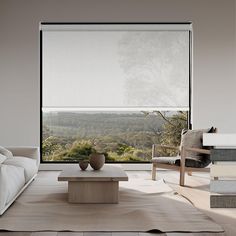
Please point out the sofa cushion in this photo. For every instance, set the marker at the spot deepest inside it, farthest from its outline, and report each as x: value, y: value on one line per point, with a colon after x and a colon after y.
x: 12, y: 179
x: 6, y: 152
x: 2, y: 158
x: 29, y: 165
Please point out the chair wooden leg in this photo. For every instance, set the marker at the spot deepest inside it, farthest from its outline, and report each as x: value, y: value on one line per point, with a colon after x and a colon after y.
x: 182, y: 177
x: 154, y: 171
x: 182, y: 166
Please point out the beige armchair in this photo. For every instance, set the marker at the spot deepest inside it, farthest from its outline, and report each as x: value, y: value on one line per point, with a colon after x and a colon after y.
x: 192, y: 156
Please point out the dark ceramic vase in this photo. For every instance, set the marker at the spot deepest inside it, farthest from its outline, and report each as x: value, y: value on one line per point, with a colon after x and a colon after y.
x: 97, y: 160
x: 83, y: 165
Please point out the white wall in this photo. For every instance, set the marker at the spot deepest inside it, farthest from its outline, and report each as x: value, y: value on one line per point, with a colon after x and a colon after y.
x: 214, y: 55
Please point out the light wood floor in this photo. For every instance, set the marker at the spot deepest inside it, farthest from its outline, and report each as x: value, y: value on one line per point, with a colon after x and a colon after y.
x: 196, y: 190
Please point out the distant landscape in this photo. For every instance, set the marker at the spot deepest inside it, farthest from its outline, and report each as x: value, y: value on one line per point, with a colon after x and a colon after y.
x: 121, y: 136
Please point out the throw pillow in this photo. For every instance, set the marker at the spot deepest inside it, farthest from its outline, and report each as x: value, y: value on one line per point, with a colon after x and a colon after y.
x: 6, y: 152
x: 2, y: 158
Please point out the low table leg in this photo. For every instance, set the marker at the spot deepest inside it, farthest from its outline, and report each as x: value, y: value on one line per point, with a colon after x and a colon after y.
x: 93, y: 192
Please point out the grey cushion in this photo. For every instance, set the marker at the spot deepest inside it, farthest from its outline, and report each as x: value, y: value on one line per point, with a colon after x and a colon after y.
x: 6, y: 152
x: 166, y: 160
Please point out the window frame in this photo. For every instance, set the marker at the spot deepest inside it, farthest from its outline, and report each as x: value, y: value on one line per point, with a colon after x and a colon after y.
x: 189, y: 114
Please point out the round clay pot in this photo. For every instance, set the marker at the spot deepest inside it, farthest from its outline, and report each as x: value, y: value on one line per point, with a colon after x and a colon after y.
x: 83, y: 165
x: 97, y: 160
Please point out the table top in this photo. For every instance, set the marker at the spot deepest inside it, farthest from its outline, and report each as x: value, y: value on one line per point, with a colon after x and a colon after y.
x: 107, y: 173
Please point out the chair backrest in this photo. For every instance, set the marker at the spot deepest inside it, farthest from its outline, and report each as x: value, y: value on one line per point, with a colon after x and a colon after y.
x: 194, y: 139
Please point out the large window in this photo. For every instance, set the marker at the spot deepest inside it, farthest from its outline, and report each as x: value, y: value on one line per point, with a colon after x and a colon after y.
x: 113, y: 88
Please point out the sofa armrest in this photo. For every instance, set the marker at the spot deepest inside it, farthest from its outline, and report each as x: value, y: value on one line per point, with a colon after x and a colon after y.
x: 30, y: 152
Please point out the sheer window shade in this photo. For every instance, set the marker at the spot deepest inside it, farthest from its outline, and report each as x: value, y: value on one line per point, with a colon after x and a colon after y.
x: 115, y: 66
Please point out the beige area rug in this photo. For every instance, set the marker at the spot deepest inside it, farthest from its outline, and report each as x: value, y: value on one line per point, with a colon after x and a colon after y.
x: 144, y: 205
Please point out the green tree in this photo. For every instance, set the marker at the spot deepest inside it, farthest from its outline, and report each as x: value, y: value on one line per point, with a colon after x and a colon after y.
x: 50, y: 145
x: 46, y: 132
x: 80, y: 150
x: 172, y: 129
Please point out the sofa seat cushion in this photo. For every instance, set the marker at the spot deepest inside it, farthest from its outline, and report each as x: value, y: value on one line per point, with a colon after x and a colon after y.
x: 12, y: 180
x: 29, y: 165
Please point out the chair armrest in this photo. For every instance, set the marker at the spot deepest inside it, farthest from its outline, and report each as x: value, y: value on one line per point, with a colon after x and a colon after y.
x: 199, y: 150
x: 30, y: 152
x: 154, y: 146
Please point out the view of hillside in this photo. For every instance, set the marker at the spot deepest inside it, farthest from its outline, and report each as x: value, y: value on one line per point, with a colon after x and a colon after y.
x: 121, y: 136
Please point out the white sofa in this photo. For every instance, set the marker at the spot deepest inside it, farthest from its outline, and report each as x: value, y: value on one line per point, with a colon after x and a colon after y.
x: 16, y: 173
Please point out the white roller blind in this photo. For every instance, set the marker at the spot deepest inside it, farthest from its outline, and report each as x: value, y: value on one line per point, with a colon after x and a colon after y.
x: 114, y: 66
